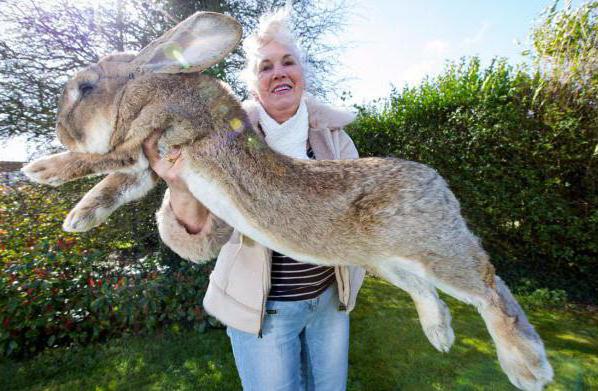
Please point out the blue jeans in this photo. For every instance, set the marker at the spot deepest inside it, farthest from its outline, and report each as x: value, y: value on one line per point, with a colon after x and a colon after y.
x: 304, y: 346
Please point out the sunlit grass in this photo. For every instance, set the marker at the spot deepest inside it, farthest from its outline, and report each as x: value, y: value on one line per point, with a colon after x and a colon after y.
x: 388, y: 352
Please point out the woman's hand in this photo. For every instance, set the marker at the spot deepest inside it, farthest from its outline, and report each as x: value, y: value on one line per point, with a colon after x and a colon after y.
x: 188, y: 211
x: 168, y: 168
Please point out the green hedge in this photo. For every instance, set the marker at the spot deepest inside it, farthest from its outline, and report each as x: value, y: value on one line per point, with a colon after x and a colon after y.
x: 59, y: 289
x: 519, y: 157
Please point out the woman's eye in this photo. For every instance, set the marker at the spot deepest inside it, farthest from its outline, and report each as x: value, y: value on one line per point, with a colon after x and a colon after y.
x: 265, y: 68
x: 85, y: 88
x: 289, y: 63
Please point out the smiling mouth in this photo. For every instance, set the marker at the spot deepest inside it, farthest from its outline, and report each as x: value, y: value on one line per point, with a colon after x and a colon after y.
x: 282, y: 89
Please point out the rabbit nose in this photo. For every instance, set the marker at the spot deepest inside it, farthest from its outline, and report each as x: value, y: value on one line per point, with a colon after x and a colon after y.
x: 63, y: 135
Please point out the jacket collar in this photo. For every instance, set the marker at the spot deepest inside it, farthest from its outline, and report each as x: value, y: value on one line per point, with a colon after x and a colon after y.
x: 321, y: 115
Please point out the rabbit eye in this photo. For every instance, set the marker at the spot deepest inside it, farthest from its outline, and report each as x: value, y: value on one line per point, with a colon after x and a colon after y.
x: 85, y: 88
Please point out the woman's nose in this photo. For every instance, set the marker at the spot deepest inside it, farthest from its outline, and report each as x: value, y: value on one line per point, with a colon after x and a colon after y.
x: 279, y: 72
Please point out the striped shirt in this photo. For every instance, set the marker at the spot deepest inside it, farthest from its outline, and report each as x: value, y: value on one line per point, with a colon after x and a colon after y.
x: 293, y: 280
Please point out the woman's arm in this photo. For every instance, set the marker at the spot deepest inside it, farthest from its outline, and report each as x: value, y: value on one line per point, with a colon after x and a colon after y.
x: 200, y: 246
x: 184, y: 223
x: 189, y: 212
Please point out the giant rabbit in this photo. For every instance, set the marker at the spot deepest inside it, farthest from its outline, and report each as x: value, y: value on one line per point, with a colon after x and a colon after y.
x: 396, y: 218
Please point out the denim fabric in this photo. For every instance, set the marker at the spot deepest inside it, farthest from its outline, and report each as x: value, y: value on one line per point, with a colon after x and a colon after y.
x: 304, y: 346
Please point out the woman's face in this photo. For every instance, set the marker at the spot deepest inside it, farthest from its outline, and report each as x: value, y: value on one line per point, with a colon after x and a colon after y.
x: 280, y: 81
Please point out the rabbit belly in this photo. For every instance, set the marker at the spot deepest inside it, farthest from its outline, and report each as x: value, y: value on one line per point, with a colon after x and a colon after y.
x: 215, y: 198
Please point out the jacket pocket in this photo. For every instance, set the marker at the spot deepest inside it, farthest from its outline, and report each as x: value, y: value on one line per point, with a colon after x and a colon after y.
x: 242, y: 272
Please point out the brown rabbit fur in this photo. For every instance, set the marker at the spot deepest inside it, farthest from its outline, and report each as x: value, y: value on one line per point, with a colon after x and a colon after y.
x: 396, y: 218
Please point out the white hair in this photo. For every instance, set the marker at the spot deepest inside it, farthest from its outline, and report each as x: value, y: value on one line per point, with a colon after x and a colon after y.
x: 274, y: 26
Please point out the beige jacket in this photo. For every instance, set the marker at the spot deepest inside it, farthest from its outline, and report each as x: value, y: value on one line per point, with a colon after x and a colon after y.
x: 240, y: 282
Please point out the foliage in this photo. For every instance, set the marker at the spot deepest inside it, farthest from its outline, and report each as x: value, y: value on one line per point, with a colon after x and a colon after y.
x: 521, y: 163
x: 566, y: 49
x: 388, y: 351
x: 545, y: 298
x: 530, y: 295
x: 42, y: 44
x: 60, y: 289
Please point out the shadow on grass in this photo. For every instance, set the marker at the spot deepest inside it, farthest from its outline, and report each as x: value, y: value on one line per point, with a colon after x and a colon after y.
x: 388, y: 352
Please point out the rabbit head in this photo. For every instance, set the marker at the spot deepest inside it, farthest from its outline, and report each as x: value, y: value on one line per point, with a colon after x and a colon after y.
x: 109, y: 108
x: 88, y: 105
x: 88, y: 108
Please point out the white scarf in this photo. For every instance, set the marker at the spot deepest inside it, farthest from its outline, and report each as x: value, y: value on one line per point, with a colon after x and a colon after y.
x: 290, y: 137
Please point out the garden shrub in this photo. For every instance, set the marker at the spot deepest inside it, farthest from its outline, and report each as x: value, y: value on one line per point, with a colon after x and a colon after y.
x: 521, y: 162
x: 58, y: 288
x: 565, y: 49
x: 532, y: 297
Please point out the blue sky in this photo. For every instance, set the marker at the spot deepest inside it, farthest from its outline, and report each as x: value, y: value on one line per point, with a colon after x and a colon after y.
x: 400, y: 41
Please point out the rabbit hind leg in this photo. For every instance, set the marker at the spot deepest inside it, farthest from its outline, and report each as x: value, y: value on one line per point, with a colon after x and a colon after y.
x: 519, y: 348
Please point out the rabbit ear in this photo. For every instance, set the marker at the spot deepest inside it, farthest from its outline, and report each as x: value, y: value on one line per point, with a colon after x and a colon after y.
x: 195, y: 44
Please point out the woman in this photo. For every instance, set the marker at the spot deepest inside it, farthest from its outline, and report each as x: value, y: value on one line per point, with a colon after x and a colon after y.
x: 287, y: 321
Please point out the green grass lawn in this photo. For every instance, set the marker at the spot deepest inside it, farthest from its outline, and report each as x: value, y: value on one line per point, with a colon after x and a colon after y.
x: 388, y: 352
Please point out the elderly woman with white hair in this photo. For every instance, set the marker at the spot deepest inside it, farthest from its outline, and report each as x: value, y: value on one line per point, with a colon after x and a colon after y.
x: 287, y: 321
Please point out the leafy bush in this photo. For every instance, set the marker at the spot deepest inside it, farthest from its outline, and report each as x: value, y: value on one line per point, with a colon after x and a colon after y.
x: 565, y: 46
x: 58, y: 288
x: 521, y: 163
x: 532, y: 297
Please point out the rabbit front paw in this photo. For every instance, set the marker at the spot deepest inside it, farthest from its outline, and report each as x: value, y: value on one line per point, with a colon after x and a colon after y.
x: 84, y: 217
x: 50, y: 170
